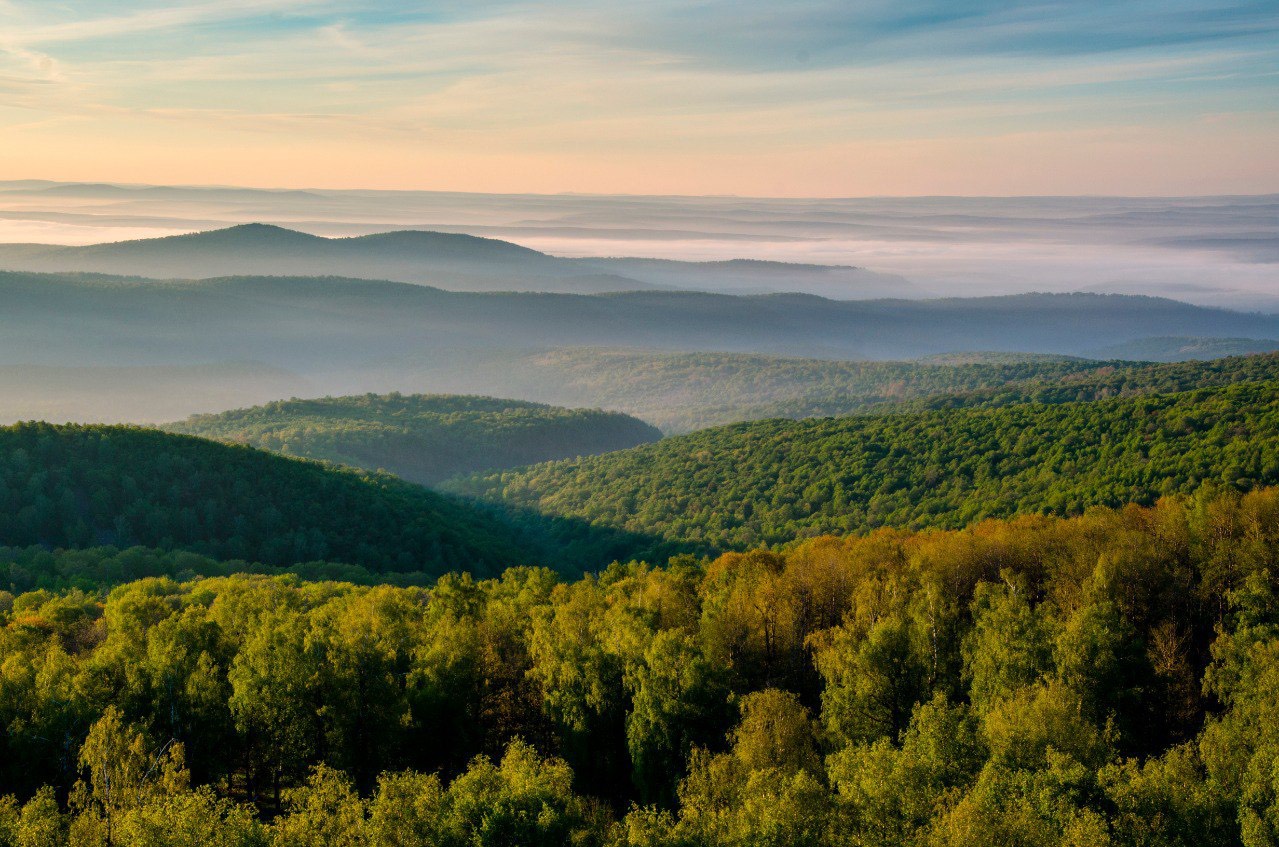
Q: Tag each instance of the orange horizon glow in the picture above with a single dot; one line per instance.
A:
(821, 99)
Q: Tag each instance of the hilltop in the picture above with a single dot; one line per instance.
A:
(423, 438)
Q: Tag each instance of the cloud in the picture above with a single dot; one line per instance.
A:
(571, 77)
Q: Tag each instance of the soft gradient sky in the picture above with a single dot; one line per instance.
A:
(750, 97)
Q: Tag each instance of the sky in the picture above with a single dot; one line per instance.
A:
(802, 98)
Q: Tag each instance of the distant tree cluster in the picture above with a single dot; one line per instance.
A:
(1110, 679)
(771, 482)
(423, 438)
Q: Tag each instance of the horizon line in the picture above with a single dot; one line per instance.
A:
(278, 189)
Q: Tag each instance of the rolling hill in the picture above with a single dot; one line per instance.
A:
(424, 439)
(84, 486)
(770, 482)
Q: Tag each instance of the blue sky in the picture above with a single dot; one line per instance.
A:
(806, 97)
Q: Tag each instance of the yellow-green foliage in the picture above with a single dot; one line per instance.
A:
(1108, 679)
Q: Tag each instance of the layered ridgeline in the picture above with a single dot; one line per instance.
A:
(423, 438)
(678, 392)
(326, 328)
(142, 394)
(450, 260)
(772, 481)
(681, 392)
(85, 486)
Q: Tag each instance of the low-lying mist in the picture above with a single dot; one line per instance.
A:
(1220, 251)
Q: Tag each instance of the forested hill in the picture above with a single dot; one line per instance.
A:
(770, 482)
(423, 438)
(681, 392)
(1108, 379)
(81, 486)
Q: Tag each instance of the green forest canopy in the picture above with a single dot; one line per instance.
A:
(771, 482)
(682, 392)
(1110, 680)
(423, 438)
(83, 486)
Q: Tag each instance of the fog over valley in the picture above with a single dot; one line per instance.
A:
(1220, 251)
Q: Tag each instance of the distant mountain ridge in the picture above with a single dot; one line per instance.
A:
(314, 325)
(448, 260)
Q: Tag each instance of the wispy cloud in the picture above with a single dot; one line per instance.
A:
(567, 78)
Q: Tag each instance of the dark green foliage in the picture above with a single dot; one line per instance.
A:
(770, 482)
(83, 486)
(423, 438)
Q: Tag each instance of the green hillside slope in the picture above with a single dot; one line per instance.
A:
(1109, 380)
(80, 486)
(773, 481)
(423, 438)
(684, 391)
